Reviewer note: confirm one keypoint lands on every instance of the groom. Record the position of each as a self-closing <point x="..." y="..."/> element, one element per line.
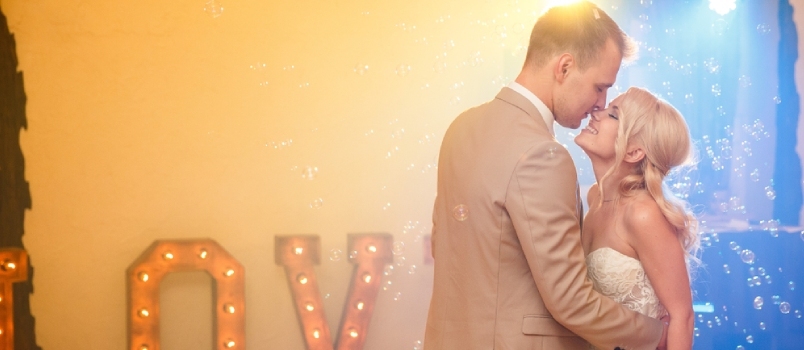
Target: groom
<point x="509" y="267"/>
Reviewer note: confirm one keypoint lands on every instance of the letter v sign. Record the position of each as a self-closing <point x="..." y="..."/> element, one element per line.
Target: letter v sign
<point x="299" y="253"/>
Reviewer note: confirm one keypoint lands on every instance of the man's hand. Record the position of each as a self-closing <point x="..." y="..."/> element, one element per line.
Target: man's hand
<point x="665" y="324"/>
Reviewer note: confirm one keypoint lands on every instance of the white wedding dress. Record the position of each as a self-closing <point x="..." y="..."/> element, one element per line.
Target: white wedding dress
<point x="622" y="278"/>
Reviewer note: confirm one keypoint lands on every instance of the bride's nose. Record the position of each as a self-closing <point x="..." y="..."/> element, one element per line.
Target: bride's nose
<point x="595" y="115"/>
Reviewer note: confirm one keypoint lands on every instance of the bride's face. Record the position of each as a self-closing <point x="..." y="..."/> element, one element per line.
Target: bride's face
<point x="598" y="138"/>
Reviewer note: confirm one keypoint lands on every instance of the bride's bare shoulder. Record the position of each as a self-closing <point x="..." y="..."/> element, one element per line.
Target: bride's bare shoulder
<point x="643" y="219"/>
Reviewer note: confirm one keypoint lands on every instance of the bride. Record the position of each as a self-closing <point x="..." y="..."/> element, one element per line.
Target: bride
<point x="639" y="240"/>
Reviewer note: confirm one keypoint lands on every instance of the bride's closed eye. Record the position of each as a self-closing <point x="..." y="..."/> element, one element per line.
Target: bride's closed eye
<point x="613" y="116"/>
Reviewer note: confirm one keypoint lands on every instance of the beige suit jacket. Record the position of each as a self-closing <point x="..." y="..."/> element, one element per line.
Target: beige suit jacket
<point x="509" y="267"/>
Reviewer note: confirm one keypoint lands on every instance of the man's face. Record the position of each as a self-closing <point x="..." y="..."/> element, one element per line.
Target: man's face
<point x="582" y="92"/>
<point x="598" y="139"/>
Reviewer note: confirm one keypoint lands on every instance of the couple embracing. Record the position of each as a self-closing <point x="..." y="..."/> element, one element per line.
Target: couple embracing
<point x="517" y="264"/>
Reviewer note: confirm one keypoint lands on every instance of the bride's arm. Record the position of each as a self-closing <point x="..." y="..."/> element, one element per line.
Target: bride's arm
<point x="655" y="241"/>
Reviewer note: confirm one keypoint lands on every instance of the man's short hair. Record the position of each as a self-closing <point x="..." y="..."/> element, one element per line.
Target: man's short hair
<point x="580" y="29"/>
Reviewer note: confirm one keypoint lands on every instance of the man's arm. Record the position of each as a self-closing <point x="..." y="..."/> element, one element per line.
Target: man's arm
<point x="541" y="201"/>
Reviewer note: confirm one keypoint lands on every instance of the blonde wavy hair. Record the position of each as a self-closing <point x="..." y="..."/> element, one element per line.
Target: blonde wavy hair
<point x="660" y="130"/>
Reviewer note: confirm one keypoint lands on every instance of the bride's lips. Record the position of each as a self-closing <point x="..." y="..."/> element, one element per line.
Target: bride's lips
<point x="590" y="129"/>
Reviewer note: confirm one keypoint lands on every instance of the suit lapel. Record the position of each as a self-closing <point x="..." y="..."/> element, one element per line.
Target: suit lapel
<point x="515" y="99"/>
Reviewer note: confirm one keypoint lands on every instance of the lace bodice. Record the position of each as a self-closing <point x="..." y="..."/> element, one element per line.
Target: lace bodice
<point x="622" y="278"/>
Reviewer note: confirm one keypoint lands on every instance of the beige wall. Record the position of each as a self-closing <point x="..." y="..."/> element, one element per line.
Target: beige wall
<point x="148" y="120"/>
<point x="153" y="120"/>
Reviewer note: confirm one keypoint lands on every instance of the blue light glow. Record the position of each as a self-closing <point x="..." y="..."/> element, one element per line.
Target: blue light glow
<point x="722" y="7"/>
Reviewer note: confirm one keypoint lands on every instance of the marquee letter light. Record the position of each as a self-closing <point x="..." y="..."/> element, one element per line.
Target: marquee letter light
<point x="164" y="257"/>
<point x="298" y="254"/>
<point x="13" y="268"/>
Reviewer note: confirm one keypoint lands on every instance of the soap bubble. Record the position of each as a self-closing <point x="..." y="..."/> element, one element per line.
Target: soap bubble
<point x="770" y="192"/>
<point x="460" y="212"/>
<point x="398" y="248"/>
<point x="758" y="303"/>
<point x="214" y="8"/>
<point x="755" y="175"/>
<point x="712" y="65"/>
<point x="745" y="81"/>
<point x="716" y="89"/>
<point x="403" y="70"/>
<point x="784" y="307"/>
<point x="361" y="68"/>
<point x="747" y="256"/>
<point x="335" y="255"/>
<point x="309" y="172"/>
<point x="317" y="203"/>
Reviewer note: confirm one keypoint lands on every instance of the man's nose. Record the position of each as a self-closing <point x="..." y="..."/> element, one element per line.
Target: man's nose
<point x="601" y="101"/>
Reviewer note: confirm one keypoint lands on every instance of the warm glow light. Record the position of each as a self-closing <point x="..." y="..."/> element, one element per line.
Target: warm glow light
<point x="14" y="265"/>
<point x="722" y="7"/>
<point x="552" y="3"/>
<point x="161" y="259"/>
<point x="298" y="250"/>
<point x="365" y="284"/>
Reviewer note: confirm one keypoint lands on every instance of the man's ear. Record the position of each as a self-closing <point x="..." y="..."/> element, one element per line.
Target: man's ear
<point x="634" y="154"/>
<point x="563" y="65"/>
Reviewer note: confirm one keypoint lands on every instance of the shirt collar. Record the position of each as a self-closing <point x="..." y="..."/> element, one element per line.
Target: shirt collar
<point x="540" y="106"/>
